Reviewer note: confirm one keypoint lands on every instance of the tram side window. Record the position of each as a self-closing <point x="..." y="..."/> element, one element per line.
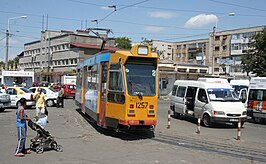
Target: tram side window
<point x="92" y="77"/>
<point x="79" y="77"/>
<point x="116" y="80"/>
<point x="115" y="87"/>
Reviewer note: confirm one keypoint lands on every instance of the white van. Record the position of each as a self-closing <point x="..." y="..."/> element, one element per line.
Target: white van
<point x="239" y="84"/>
<point x="256" y="99"/>
<point x="212" y="102"/>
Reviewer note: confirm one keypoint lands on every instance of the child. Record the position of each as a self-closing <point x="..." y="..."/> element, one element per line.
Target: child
<point x="22" y="129"/>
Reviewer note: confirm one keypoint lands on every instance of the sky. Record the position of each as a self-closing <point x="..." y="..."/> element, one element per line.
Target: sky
<point x="166" y="20"/>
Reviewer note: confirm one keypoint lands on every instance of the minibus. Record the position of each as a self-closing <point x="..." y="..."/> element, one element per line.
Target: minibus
<point x="212" y="102"/>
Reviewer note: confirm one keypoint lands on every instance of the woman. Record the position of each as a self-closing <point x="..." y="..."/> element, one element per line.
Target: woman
<point x="22" y="129"/>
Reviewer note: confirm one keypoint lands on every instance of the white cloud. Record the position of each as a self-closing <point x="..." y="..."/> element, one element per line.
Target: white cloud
<point x="154" y="29"/>
<point x="201" y="20"/>
<point x="162" y="14"/>
<point x="105" y="8"/>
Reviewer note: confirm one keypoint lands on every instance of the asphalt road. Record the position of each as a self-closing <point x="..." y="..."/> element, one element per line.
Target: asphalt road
<point x="83" y="142"/>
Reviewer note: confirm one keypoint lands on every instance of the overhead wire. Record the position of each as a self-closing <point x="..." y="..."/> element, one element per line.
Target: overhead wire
<point x="233" y="4"/>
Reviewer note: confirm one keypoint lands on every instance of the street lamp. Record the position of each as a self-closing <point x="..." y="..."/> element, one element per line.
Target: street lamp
<point x="213" y="35"/>
<point x="229" y="14"/>
<point x="7" y="37"/>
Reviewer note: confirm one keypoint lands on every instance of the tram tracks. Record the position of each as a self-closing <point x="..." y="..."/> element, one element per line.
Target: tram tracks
<point x="242" y="152"/>
<point x="251" y="154"/>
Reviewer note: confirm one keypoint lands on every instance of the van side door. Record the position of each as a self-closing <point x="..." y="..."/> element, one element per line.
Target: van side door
<point x="180" y="105"/>
<point x="201" y="102"/>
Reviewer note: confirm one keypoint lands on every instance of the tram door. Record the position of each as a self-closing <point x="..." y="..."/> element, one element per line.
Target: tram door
<point x="103" y="84"/>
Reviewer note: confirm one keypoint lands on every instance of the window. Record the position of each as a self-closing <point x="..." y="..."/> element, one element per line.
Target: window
<point x="217" y="48"/>
<point x="116" y="79"/>
<point x="66" y="61"/>
<point x="164" y="83"/>
<point x="92" y="77"/>
<point x="12" y="91"/>
<point x="174" y="90"/>
<point x="224" y="47"/>
<point x="217" y="38"/>
<point x="202" y="96"/>
<point x="181" y="91"/>
<point x="116" y="86"/>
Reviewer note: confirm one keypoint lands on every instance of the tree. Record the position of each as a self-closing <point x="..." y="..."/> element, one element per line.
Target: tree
<point x="123" y="43"/>
<point x="254" y="60"/>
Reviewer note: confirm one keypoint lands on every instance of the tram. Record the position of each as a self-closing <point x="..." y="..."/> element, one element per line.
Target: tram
<point x="119" y="89"/>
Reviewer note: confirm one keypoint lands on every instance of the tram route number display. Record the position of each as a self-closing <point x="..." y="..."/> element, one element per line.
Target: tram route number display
<point x="142" y="105"/>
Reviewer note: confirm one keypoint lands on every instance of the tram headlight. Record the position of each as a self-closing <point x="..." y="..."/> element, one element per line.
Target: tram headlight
<point x="131" y="112"/>
<point x="151" y="112"/>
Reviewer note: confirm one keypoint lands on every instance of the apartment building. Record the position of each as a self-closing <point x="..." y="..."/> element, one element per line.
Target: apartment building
<point x="58" y="52"/>
<point x="227" y="48"/>
<point x="163" y="49"/>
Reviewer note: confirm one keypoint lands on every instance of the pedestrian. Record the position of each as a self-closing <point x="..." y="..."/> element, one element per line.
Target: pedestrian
<point x="24" y="84"/>
<point x="22" y="129"/>
<point x="60" y="99"/>
<point x="3" y="89"/>
<point x="40" y="98"/>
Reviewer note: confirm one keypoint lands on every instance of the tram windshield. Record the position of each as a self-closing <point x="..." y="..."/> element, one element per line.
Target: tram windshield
<point x="141" y="79"/>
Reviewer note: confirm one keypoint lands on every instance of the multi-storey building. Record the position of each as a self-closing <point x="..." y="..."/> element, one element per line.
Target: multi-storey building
<point x="227" y="48"/>
<point x="193" y="51"/>
<point x="163" y="49"/>
<point x="58" y="52"/>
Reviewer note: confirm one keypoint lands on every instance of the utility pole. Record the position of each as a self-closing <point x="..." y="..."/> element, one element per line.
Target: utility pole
<point x="7" y="37"/>
<point x="213" y="49"/>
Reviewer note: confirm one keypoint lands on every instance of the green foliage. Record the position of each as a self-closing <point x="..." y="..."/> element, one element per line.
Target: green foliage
<point x="123" y="43"/>
<point x="254" y="60"/>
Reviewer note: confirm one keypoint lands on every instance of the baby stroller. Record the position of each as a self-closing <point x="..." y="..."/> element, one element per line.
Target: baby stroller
<point x="43" y="140"/>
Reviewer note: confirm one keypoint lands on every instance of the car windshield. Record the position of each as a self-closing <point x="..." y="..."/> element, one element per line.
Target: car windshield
<point x="222" y="94"/>
<point x="141" y="79"/>
<point x="25" y="90"/>
<point x="52" y="89"/>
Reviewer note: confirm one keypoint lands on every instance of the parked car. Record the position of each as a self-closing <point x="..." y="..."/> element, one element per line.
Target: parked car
<point x="69" y="90"/>
<point x="51" y="95"/>
<point x="18" y="93"/>
<point x="5" y="101"/>
<point x="56" y="87"/>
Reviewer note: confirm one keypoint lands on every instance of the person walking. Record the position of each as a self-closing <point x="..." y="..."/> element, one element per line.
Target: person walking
<point x="40" y="98"/>
<point x="22" y="129"/>
<point x="60" y="99"/>
<point x="3" y="89"/>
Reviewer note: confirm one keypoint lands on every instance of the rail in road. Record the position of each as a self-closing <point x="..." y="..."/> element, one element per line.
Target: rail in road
<point x="241" y="152"/>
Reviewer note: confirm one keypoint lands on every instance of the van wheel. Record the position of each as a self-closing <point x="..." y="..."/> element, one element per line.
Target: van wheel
<point x="206" y="120"/>
<point x="2" y="109"/>
<point x="50" y="103"/>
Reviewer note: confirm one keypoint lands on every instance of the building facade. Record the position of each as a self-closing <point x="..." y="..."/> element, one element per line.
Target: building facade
<point x="163" y="49"/>
<point x="58" y="52"/>
<point x="227" y="48"/>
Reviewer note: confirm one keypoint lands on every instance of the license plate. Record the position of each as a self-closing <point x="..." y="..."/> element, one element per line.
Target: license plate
<point x="142" y="105"/>
<point x="233" y="120"/>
